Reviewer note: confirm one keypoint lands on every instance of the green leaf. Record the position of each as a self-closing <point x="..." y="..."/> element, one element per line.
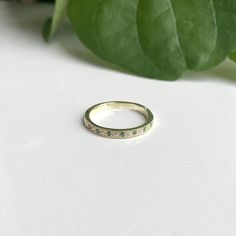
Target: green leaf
<point x="157" y="38"/>
<point x="53" y="24"/>
<point x="233" y="56"/>
<point x="109" y="29"/>
<point x="177" y="34"/>
<point x="226" y="25"/>
<point x="47" y="29"/>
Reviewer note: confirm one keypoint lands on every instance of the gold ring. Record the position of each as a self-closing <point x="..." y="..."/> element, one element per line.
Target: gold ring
<point x="118" y="133"/>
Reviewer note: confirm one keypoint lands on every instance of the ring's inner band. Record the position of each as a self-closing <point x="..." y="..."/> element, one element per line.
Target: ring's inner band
<point x="120" y="105"/>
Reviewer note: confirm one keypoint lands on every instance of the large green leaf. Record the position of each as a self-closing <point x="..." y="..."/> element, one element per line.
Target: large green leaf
<point x="157" y="38"/>
<point x="109" y="29"/>
<point x="226" y="25"/>
<point x="52" y="25"/>
<point x="177" y="33"/>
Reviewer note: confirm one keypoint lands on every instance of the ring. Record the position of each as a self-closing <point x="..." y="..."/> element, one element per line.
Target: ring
<point x="118" y="133"/>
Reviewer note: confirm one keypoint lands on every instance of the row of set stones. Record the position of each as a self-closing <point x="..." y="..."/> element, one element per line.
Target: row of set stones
<point x="117" y="134"/>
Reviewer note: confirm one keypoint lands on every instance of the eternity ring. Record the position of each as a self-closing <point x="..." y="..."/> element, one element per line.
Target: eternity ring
<point x="118" y="133"/>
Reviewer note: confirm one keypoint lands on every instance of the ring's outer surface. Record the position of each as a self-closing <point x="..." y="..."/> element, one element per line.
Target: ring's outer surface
<point x="118" y="133"/>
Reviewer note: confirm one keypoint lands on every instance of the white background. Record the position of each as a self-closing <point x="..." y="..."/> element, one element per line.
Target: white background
<point x="58" y="179"/>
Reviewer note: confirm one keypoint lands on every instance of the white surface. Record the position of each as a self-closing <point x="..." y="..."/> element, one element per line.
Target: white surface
<point x="56" y="178"/>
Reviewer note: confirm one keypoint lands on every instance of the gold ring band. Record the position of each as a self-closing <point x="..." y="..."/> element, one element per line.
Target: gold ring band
<point x="118" y="133"/>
